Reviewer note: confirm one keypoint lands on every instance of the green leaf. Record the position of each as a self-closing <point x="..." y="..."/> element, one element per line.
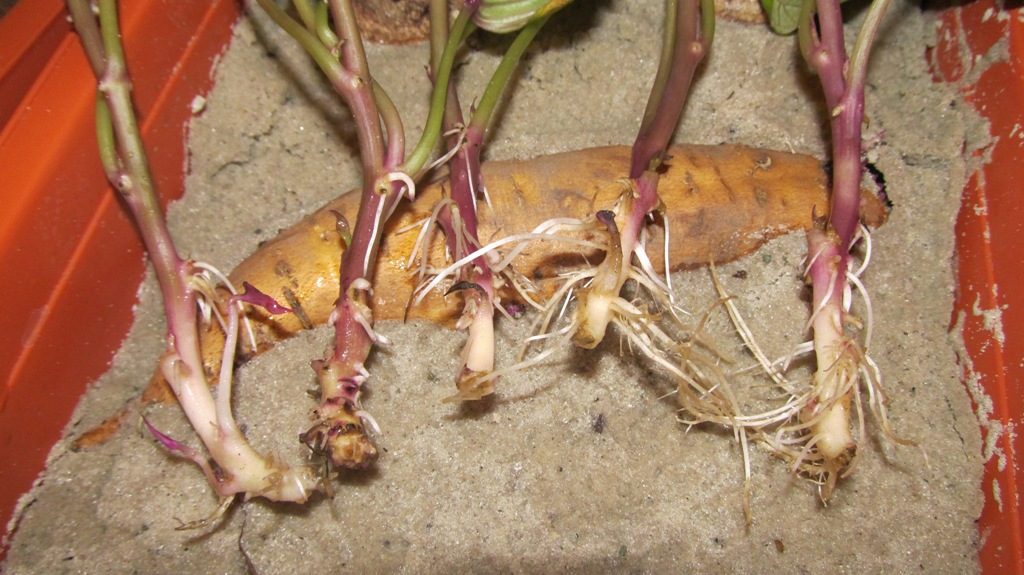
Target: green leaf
<point x="783" y="15"/>
<point x="503" y="16"/>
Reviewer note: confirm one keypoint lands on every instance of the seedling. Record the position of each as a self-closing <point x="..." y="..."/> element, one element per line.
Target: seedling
<point x="189" y="289"/>
<point x="815" y="432"/>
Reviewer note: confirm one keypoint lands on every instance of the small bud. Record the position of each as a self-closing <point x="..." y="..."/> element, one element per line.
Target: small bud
<point x="253" y="296"/>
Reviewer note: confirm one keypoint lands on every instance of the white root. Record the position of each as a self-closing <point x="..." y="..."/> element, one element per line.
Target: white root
<point x="362" y="314"/>
<point x="812" y="428"/>
<point x="443" y="274"/>
<point x="746" y="335"/>
<point x="595" y="292"/>
<point x="207" y="286"/>
<point x="378" y="223"/>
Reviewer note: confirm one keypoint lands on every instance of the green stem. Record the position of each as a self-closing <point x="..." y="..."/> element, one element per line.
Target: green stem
<point x="355" y="86"/>
<point x="858" y="64"/>
<point x="88" y="33"/>
<point x="707" y="23"/>
<point x="133" y="180"/>
<point x="392" y="125"/>
<point x="306" y="13"/>
<point x="359" y="91"/>
<point x="462" y="28"/>
<point x="438" y="31"/>
<point x="312" y="44"/>
<point x="322" y="25"/>
<point x="496" y="87"/>
<point x="114" y="86"/>
<point x="111" y="35"/>
<point x="106" y="140"/>
<point x="806" y="34"/>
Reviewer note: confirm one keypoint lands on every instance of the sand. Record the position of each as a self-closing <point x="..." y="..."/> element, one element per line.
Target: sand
<point x="579" y="465"/>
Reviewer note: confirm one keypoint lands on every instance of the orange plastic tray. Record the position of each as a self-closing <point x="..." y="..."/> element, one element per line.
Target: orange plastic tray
<point x="990" y="269"/>
<point x="71" y="259"/>
<point x="72" y="262"/>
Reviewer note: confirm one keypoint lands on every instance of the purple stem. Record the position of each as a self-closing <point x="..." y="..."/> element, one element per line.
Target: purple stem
<point x="846" y="112"/>
<point x="846" y="172"/>
<point x="339" y="431"/>
<point x="842" y="80"/>
<point x="465" y="180"/>
<point x="830" y="51"/>
<point x="689" y="50"/>
<point x="691" y="44"/>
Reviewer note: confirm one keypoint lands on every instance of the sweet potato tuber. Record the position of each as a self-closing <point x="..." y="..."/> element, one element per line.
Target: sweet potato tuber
<point x="723" y="201"/>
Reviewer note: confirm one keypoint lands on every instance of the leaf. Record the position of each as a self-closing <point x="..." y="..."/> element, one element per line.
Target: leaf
<point x="503" y="16"/>
<point x="783" y="15"/>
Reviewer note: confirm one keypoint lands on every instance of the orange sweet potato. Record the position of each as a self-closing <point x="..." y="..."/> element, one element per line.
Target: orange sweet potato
<point x="723" y="202"/>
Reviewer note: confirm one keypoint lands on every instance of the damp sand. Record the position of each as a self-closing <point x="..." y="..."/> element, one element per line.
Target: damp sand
<point x="579" y="465"/>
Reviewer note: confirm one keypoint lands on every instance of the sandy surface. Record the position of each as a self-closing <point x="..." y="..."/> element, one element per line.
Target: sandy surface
<point x="579" y="465"/>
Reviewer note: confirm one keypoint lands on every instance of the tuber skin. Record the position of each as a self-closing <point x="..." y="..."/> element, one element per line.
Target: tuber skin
<point x="727" y="201"/>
